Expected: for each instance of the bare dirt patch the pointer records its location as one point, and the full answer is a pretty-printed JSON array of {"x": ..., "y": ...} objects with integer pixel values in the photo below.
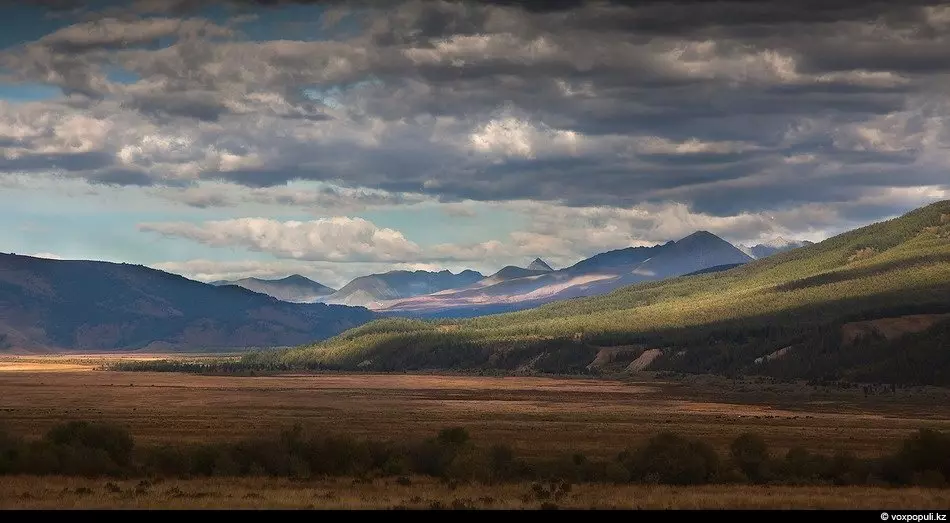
[
  {"x": 644, "y": 361},
  {"x": 608, "y": 355},
  {"x": 862, "y": 254}
]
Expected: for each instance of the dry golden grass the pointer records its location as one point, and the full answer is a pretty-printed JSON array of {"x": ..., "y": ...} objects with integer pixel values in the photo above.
[
  {"x": 45, "y": 492},
  {"x": 87, "y": 361},
  {"x": 536, "y": 416}
]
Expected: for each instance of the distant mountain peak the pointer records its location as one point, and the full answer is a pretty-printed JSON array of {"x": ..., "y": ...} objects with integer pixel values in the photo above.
[
  {"x": 779, "y": 242},
  {"x": 701, "y": 236},
  {"x": 296, "y": 278},
  {"x": 539, "y": 265}
]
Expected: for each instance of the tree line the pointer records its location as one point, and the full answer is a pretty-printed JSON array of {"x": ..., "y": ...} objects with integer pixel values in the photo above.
[{"x": 90, "y": 449}]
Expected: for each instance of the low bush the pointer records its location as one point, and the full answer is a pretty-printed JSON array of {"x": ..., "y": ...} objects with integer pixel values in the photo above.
[{"x": 101, "y": 449}]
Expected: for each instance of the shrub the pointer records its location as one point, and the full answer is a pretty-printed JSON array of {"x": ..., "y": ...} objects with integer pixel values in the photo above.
[
  {"x": 430, "y": 458},
  {"x": 846, "y": 469},
  {"x": 802, "y": 467},
  {"x": 455, "y": 436},
  {"x": 671, "y": 459},
  {"x": 750, "y": 454},
  {"x": 10, "y": 450},
  {"x": 926, "y": 450},
  {"x": 615, "y": 472},
  {"x": 469, "y": 464},
  {"x": 115, "y": 441},
  {"x": 501, "y": 461},
  {"x": 168, "y": 460}
]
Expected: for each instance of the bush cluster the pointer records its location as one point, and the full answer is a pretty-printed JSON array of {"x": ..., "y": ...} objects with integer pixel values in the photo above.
[{"x": 80, "y": 448}]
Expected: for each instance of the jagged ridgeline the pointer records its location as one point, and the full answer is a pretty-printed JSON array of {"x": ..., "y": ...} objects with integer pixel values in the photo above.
[{"x": 865, "y": 305}]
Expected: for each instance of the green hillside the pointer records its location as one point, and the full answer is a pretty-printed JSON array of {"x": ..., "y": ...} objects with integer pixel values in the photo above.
[{"x": 717, "y": 322}]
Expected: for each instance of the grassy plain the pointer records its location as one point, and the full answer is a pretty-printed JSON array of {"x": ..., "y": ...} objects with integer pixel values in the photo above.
[
  {"x": 536, "y": 416},
  {"x": 423, "y": 493}
]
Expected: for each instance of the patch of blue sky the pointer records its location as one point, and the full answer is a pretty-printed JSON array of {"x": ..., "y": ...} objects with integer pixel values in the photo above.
[
  {"x": 121, "y": 75},
  {"x": 26, "y": 23},
  {"x": 28, "y": 92},
  {"x": 330, "y": 95}
]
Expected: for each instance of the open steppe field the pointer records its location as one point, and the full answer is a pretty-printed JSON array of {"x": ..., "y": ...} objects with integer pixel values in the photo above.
[
  {"x": 536, "y": 416},
  {"x": 425, "y": 493}
]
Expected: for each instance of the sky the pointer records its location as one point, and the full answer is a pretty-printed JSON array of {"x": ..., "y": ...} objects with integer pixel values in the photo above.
[{"x": 229, "y": 139}]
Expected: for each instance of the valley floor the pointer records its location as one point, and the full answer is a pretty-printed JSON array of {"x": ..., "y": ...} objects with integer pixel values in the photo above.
[{"x": 536, "y": 416}]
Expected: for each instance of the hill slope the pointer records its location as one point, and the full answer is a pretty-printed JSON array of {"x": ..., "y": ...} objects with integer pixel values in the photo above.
[
  {"x": 100, "y": 306},
  {"x": 293, "y": 289},
  {"x": 797, "y": 301}
]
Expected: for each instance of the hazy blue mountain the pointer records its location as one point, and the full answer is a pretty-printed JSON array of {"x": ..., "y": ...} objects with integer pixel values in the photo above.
[
  {"x": 294, "y": 288},
  {"x": 367, "y": 290},
  {"x": 101, "y": 306}
]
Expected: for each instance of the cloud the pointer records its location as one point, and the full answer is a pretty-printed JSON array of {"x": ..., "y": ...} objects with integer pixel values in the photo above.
[
  {"x": 562, "y": 235},
  {"x": 337, "y": 239},
  {"x": 604, "y": 123},
  {"x": 112, "y": 33},
  {"x": 435, "y": 102},
  {"x": 47, "y": 255},
  {"x": 458, "y": 210},
  {"x": 319, "y": 199}
]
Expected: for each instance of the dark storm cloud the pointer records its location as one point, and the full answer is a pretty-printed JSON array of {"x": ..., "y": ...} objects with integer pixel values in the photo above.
[
  {"x": 726, "y": 106},
  {"x": 918, "y": 58},
  {"x": 122, "y": 177},
  {"x": 644, "y": 16},
  {"x": 74, "y": 162},
  {"x": 202, "y": 106}
]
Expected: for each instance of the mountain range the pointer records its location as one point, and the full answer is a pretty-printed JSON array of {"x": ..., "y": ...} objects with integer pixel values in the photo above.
[
  {"x": 469, "y": 293},
  {"x": 86, "y": 305},
  {"x": 872, "y": 304},
  {"x": 66, "y": 305}
]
